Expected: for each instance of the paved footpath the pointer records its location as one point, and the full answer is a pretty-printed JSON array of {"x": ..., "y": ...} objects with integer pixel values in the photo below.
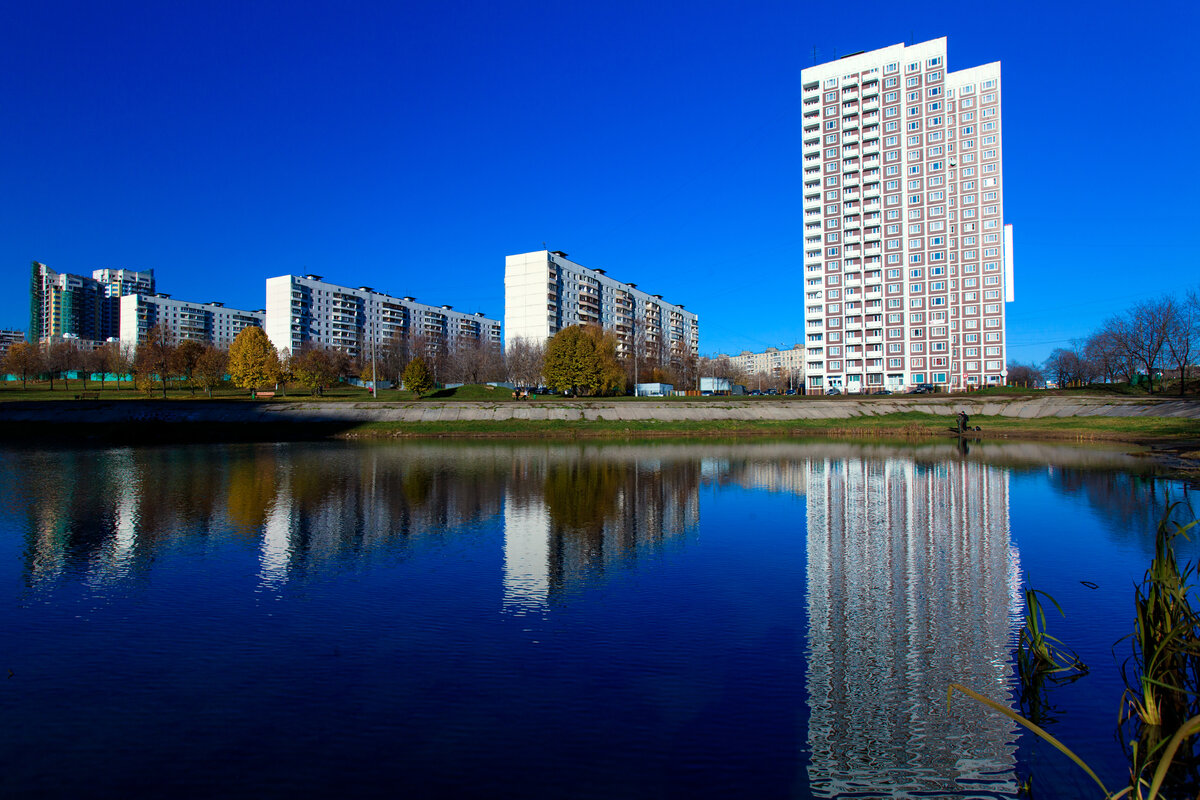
[{"x": 716, "y": 409}]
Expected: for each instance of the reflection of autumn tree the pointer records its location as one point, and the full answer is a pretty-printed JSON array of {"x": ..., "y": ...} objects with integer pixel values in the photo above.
[
  {"x": 251, "y": 490},
  {"x": 583, "y": 494},
  {"x": 415, "y": 486}
]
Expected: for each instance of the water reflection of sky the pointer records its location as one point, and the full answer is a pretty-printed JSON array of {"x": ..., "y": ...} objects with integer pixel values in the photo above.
[{"x": 763, "y": 618}]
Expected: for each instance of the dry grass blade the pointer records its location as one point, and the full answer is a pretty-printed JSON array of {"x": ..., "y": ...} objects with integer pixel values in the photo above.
[{"x": 1037, "y": 729}]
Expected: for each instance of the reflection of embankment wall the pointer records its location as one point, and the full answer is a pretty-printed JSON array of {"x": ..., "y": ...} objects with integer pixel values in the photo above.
[{"x": 912, "y": 585}]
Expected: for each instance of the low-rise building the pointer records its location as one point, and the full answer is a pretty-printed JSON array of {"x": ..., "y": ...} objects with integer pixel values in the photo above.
[
  {"x": 8, "y": 338},
  {"x": 306, "y": 310},
  {"x": 786, "y": 364},
  {"x": 207, "y": 323}
]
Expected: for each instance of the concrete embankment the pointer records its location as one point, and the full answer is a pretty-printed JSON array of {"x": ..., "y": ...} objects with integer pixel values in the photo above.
[{"x": 278, "y": 412}]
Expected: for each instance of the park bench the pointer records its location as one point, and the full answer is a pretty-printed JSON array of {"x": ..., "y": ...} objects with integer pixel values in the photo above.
[
  {"x": 263, "y": 395},
  {"x": 88, "y": 396}
]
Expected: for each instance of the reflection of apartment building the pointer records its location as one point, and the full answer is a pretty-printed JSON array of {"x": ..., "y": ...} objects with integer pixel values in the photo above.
[
  {"x": 908, "y": 262},
  {"x": 307, "y": 310},
  {"x": 787, "y": 364},
  {"x": 207, "y": 323},
  {"x": 77, "y": 307},
  {"x": 545, "y": 292},
  {"x": 912, "y": 584},
  {"x": 546, "y": 555}
]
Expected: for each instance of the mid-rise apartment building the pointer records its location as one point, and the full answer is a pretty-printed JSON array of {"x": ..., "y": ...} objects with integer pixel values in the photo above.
[
  {"x": 306, "y": 310},
  {"x": 908, "y": 261},
  {"x": 787, "y": 364},
  {"x": 545, "y": 292},
  {"x": 207, "y": 323},
  {"x": 77, "y": 307},
  {"x": 8, "y": 338}
]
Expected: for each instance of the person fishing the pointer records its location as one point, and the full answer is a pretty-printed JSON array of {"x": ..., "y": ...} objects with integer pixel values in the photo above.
[{"x": 963, "y": 421}]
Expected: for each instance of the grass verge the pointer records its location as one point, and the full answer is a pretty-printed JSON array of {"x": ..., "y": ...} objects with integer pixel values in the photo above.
[{"x": 912, "y": 425}]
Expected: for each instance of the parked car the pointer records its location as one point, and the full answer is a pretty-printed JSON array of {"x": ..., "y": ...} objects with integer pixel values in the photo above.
[
  {"x": 922, "y": 388},
  {"x": 834, "y": 390}
]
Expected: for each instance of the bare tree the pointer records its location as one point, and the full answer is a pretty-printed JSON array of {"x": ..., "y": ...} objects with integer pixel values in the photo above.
[
  {"x": 1026, "y": 375},
  {"x": 523, "y": 361},
  {"x": 106, "y": 361},
  {"x": 57, "y": 358},
  {"x": 1183, "y": 334},
  {"x": 1147, "y": 324},
  {"x": 184, "y": 359},
  {"x": 1104, "y": 354},
  {"x": 155, "y": 356},
  {"x": 393, "y": 358},
  {"x": 210, "y": 368}
]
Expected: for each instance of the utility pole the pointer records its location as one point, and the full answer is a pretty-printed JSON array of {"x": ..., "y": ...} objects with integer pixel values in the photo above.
[{"x": 374, "y": 379}]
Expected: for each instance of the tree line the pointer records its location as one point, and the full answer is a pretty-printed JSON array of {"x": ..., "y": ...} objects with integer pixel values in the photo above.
[
  {"x": 1145, "y": 344},
  {"x": 250, "y": 362},
  {"x": 580, "y": 360}
]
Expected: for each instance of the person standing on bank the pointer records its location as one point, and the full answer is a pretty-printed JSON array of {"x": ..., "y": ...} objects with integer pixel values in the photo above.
[{"x": 963, "y": 419}]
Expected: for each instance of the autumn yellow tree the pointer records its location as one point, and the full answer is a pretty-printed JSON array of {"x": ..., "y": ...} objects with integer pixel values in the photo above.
[
  {"x": 253, "y": 362},
  {"x": 582, "y": 360},
  {"x": 24, "y": 360}
]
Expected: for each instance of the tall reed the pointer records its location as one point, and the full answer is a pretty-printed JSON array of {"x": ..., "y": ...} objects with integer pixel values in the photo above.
[
  {"x": 1162, "y": 675},
  {"x": 1160, "y": 709}
]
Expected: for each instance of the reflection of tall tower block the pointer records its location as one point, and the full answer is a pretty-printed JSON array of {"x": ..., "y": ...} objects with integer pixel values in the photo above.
[
  {"x": 526, "y": 555},
  {"x": 912, "y": 585}
]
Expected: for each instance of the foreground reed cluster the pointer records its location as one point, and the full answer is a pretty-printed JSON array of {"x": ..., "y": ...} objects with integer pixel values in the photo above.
[{"x": 1160, "y": 710}]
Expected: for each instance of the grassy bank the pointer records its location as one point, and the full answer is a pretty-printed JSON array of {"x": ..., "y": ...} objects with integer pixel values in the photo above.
[{"x": 905, "y": 425}]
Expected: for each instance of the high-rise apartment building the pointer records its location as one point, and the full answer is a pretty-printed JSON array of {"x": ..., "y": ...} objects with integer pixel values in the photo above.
[
  {"x": 77, "y": 307},
  {"x": 908, "y": 261},
  {"x": 545, "y": 292},
  {"x": 207, "y": 323},
  {"x": 304, "y": 311}
]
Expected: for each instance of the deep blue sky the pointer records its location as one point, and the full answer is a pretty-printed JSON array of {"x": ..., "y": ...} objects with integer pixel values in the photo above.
[{"x": 412, "y": 146}]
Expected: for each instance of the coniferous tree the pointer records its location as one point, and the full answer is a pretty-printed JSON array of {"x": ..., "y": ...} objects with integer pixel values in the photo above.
[{"x": 417, "y": 378}]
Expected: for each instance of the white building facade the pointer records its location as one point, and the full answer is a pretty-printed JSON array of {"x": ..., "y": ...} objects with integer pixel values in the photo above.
[
  {"x": 545, "y": 292},
  {"x": 207, "y": 323},
  {"x": 307, "y": 311},
  {"x": 908, "y": 261}
]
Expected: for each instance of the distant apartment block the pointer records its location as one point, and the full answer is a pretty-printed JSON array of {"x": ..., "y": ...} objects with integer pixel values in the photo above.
[
  {"x": 908, "y": 261},
  {"x": 8, "y": 338},
  {"x": 306, "y": 311},
  {"x": 207, "y": 323},
  {"x": 545, "y": 292},
  {"x": 772, "y": 361},
  {"x": 76, "y": 307}
]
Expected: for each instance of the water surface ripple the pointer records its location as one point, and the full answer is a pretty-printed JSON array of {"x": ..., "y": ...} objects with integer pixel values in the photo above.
[{"x": 555, "y": 620}]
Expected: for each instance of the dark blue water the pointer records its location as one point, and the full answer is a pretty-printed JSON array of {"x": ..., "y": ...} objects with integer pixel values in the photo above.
[{"x": 764, "y": 620}]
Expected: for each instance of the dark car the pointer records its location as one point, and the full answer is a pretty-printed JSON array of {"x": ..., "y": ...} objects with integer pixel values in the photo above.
[{"x": 834, "y": 391}]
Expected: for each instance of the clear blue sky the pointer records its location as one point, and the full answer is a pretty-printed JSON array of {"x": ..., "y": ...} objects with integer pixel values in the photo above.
[{"x": 410, "y": 147}]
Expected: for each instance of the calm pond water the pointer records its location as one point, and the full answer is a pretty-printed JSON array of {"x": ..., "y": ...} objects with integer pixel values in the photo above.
[{"x": 555, "y": 620}]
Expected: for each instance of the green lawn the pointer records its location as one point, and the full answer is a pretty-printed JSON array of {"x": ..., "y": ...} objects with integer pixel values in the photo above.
[{"x": 912, "y": 425}]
